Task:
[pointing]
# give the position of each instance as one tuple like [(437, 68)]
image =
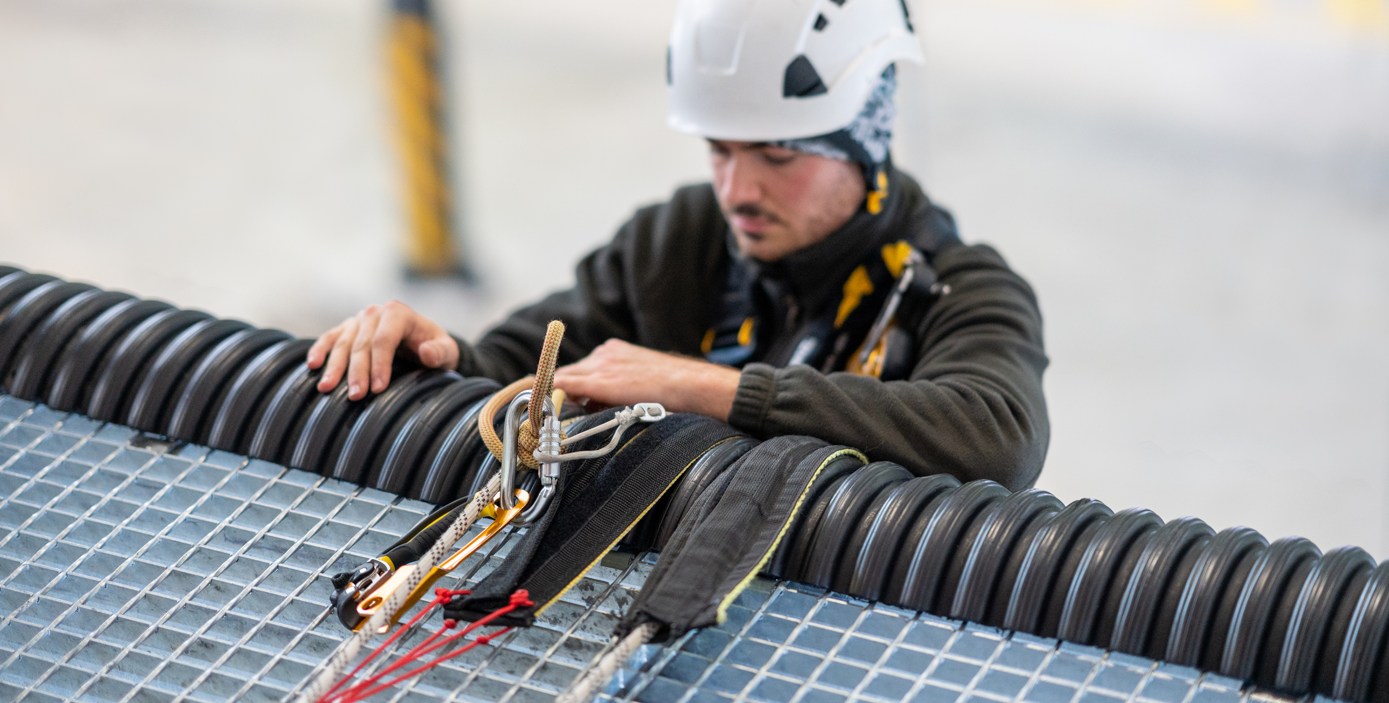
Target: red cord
[(441, 596), (487, 639), (369, 687)]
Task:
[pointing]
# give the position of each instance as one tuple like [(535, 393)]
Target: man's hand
[(618, 373), (364, 345)]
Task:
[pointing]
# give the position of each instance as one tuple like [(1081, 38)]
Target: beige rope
[(596, 677), (545, 376), (487, 421), (540, 385)]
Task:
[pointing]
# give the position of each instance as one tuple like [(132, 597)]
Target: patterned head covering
[(865, 141)]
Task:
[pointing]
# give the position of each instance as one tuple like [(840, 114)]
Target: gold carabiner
[(374, 599)]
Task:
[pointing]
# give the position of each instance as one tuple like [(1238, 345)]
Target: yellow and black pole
[(419, 99)]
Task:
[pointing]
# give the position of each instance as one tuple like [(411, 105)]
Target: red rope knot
[(449, 624), (521, 599)]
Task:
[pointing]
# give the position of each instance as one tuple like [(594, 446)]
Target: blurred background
[(1197, 189)]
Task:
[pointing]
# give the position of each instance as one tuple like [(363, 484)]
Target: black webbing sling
[(599, 501), (730, 533)]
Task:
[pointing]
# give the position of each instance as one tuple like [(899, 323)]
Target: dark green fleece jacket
[(972, 406)]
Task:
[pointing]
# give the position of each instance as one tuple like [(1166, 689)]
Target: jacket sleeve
[(594, 310), (972, 406)]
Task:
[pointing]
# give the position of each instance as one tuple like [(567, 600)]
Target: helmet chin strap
[(878, 193)]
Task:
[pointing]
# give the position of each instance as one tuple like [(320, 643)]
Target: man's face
[(778, 201)]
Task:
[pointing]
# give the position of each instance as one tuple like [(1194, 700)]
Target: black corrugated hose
[(1282, 615)]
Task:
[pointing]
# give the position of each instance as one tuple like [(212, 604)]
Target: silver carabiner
[(534, 510), (520, 406)]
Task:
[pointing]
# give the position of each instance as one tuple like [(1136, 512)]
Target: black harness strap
[(598, 503), (833, 340)]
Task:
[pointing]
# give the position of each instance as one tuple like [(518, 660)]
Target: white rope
[(624, 417), (336, 666), (596, 677), (641, 412)]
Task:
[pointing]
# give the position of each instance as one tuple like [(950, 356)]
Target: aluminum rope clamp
[(366, 602), (361, 592), (350, 587)]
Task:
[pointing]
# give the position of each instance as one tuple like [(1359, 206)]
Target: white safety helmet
[(768, 70)]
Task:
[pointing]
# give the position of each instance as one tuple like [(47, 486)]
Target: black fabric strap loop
[(730, 533)]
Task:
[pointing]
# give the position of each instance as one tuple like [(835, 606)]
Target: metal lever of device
[(371, 600)]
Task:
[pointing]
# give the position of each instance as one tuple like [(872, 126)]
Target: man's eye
[(779, 157)]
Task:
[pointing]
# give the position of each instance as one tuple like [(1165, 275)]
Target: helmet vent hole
[(820, 23), (802, 80)]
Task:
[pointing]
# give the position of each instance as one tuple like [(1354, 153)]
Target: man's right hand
[(364, 346)]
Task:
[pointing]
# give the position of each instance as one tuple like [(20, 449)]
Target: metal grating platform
[(135, 571)]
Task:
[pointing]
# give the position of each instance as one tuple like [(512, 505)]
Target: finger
[(395, 319), (318, 353), (596, 382), (431, 343), (597, 389), (574, 386), (359, 368), (614, 346), (337, 358), (575, 372), (439, 353)]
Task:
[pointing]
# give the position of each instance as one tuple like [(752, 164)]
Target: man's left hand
[(618, 373)]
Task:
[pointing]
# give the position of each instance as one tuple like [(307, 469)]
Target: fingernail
[(354, 390), (378, 384)]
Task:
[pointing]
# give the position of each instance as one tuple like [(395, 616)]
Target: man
[(811, 289)]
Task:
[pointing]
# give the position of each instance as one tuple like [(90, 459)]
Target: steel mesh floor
[(135, 571)]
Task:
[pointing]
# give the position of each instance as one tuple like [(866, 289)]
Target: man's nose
[(740, 183)]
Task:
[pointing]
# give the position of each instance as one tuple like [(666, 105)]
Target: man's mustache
[(754, 210)]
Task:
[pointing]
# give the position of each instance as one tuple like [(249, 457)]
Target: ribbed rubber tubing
[(1282, 615)]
